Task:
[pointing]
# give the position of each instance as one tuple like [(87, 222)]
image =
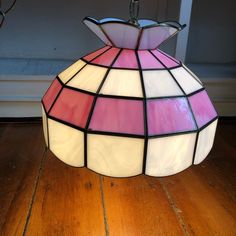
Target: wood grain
[(138, 206), (67, 202), (21, 151), (206, 193)]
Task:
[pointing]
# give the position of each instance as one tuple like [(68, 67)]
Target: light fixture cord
[(134, 11), (3, 13)]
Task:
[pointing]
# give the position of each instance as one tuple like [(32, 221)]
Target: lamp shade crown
[(147, 34)]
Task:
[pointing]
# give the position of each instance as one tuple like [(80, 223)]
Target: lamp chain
[(3, 13), (134, 11)]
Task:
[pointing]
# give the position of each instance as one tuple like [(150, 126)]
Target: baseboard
[(20, 95)]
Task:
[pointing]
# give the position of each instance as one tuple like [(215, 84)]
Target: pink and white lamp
[(129, 108)]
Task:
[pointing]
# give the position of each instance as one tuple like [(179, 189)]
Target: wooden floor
[(39, 195)]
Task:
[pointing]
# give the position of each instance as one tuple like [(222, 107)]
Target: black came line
[(123, 68), (144, 114), (140, 136)]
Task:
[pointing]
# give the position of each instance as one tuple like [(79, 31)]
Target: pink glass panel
[(127, 59), (172, 58), (118, 115), (92, 55), (72, 107), (169, 116), (106, 58), (202, 108), (164, 59), (148, 61), (51, 94)]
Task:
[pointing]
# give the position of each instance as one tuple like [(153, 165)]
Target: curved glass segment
[(118, 115), (67, 143), (155, 36), (115, 156), (160, 83), (127, 59), (202, 108), (170, 155), (72, 107), (205, 142), (169, 116), (51, 94), (123, 83), (148, 61)]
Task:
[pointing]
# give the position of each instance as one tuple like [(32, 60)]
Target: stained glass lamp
[(129, 108)]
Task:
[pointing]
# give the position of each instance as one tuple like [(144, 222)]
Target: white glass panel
[(186, 68), (205, 142), (122, 36), (66, 143), (97, 30), (160, 83), (45, 128), (115, 156), (170, 155), (123, 83), (186, 81), (89, 78), (152, 37), (71, 71)]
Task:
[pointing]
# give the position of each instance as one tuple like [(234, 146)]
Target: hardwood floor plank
[(21, 150), (138, 206), (67, 202), (3, 127), (206, 193)]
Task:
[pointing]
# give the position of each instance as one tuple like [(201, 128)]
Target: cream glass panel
[(71, 71), (115, 156), (45, 129), (120, 35), (123, 83), (189, 71), (66, 143), (160, 83), (169, 155), (186, 81), (205, 142), (89, 78)]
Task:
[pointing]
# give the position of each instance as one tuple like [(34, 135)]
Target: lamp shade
[(129, 108)]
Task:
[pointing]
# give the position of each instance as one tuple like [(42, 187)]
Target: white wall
[(53, 29), (212, 37)]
